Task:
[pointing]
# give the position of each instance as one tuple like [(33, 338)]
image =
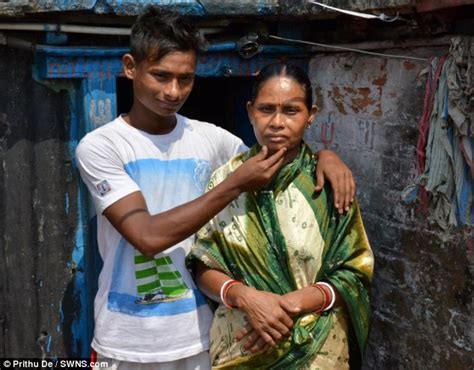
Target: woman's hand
[(309, 299), (333, 169), (268, 314), (254, 342)]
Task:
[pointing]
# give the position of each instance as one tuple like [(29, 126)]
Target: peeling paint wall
[(369, 109)]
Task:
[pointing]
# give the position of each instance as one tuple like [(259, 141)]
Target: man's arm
[(152, 234), (331, 168)]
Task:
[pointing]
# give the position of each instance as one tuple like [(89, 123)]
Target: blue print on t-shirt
[(165, 185)]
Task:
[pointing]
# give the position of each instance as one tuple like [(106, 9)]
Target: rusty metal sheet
[(133, 7), (227, 8), (243, 7), (19, 7)]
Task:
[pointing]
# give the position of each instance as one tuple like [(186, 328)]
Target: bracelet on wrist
[(332, 294), (323, 294), (223, 292)]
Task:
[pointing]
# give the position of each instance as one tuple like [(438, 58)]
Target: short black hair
[(159, 31), (283, 69)]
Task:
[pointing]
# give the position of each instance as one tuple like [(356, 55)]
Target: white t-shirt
[(116, 160)]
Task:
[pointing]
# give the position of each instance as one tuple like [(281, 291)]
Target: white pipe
[(70, 28), (48, 27), (94, 30)]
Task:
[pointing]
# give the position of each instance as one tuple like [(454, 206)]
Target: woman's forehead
[(281, 85)]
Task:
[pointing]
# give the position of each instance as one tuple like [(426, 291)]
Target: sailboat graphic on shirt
[(158, 280)]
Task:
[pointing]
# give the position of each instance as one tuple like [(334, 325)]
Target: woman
[(281, 263)]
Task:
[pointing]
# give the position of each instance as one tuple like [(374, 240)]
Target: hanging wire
[(346, 48), (381, 17)]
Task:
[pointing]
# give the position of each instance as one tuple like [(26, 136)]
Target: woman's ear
[(312, 114), (249, 107), (129, 66)]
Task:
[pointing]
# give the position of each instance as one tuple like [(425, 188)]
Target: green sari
[(281, 239)]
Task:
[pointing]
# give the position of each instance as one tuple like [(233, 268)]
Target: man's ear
[(129, 66)]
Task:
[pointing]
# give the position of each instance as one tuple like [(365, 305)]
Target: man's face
[(163, 86)]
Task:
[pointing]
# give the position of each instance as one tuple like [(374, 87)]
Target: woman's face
[(279, 115)]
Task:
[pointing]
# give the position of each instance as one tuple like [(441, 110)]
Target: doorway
[(219, 100)]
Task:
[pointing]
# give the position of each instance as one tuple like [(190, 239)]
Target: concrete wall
[(37, 215), (422, 289)]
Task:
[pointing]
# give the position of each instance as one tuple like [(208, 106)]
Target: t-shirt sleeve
[(103, 172), (229, 146)]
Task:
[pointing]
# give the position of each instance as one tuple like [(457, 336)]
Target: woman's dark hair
[(158, 32), (283, 69)]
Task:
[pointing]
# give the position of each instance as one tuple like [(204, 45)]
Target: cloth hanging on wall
[(446, 143)]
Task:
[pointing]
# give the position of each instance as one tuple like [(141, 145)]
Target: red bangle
[(327, 296), (323, 293), (331, 294), (327, 293), (224, 289)]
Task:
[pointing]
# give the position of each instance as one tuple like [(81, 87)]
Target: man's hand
[(152, 234), (331, 168), (258, 171)]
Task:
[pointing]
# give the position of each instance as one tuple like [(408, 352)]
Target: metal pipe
[(81, 51), (49, 27), (18, 43), (222, 46), (71, 28)]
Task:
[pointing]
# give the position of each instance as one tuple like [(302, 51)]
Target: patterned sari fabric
[(281, 239)]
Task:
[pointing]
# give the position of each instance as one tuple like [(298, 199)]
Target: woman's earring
[(308, 125)]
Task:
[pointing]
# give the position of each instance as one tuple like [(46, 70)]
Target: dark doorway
[(219, 100)]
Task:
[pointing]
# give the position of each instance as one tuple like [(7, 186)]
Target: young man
[(146, 172)]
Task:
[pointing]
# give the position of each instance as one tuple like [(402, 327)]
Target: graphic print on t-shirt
[(158, 280), (161, 282)]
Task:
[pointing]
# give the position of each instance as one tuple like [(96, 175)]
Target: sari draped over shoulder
[(280, 239)]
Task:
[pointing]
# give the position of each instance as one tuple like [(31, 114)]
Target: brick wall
[(369, 109)]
